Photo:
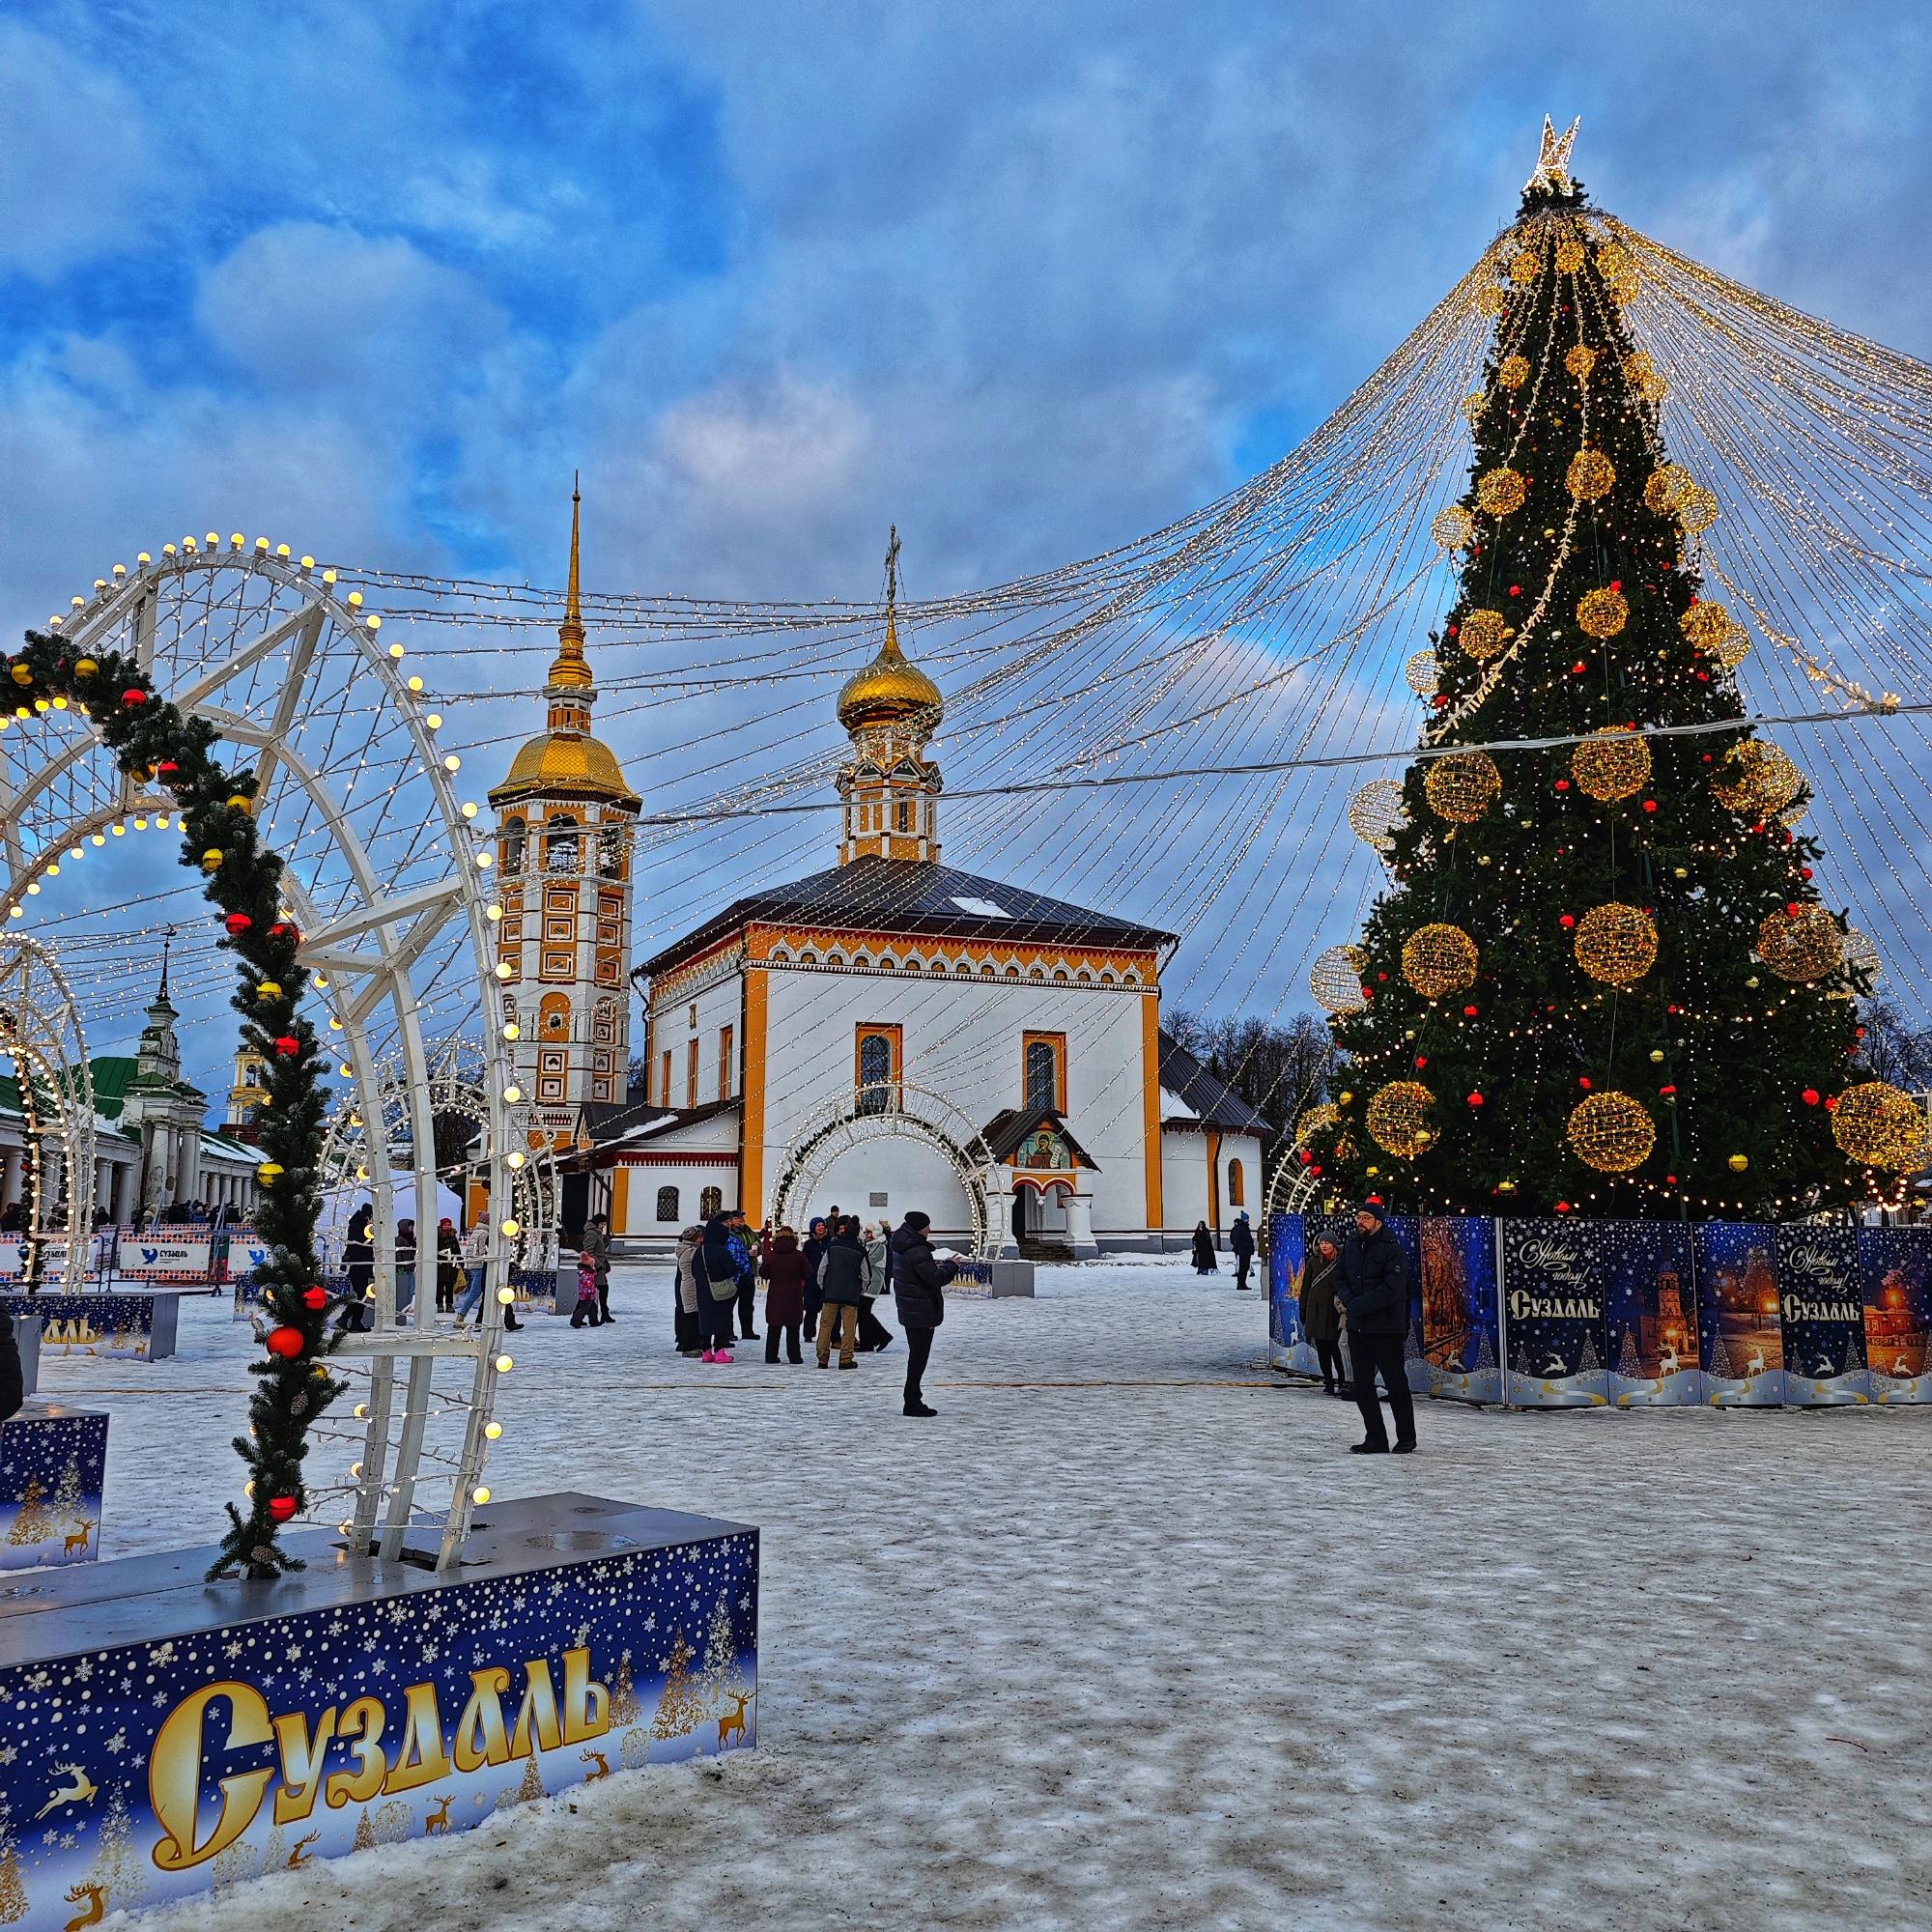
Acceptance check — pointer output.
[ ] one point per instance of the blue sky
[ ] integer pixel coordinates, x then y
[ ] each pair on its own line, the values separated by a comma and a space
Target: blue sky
1026, 279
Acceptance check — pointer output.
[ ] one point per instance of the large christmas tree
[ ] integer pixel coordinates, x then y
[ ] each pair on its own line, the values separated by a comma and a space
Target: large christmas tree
1603, 979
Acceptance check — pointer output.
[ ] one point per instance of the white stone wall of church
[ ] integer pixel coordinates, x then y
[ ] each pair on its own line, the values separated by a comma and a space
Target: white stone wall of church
718, 1006
1184, 1193
964, 1040
641, 1209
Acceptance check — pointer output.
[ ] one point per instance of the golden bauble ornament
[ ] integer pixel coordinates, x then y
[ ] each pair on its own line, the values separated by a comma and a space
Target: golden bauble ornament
1656, 1056
1859, 956
1473, 405
1498, 492
1375, 813
1314, 1120
1616, 943
1669, 488
1570, 256
1490, 299
1699, 509
1452, 527
1512, 372
1803, 945
1611, 1132
1482, 634
1590, 475
1877, 1125
1602, 613
1758, 780
1524, 268
1463, 786
1611, 764
1706, 624
1423, 674
1613, 258
1738, 1162
1397, 1119
1438, 959
1336, 979
1581, 360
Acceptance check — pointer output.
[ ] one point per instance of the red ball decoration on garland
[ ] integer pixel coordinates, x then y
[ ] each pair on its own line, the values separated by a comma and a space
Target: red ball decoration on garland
1468, 1012
281, 1508
1562, 784
166, 768
1421, 1059
1577, 669
238, 922
1583, 1081
288, 1045
286, 1342
133, 696
1832, 1104
1567, 921
315, 1297
1809, 1097
1563, 1207
1475, 1099
1650, 805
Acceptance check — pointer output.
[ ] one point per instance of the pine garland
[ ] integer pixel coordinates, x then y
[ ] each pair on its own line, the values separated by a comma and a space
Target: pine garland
155, 741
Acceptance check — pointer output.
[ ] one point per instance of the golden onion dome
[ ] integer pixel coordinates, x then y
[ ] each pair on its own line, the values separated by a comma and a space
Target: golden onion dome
568, 765
889, 690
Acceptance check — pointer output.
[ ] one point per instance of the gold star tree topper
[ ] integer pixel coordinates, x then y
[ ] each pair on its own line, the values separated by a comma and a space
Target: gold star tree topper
1553, 165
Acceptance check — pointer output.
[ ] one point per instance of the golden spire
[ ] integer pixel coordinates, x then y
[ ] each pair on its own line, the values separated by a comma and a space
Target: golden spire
891, 689
571, 667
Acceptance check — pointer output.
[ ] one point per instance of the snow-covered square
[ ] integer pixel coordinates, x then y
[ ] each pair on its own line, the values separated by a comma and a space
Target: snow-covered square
1123, 1637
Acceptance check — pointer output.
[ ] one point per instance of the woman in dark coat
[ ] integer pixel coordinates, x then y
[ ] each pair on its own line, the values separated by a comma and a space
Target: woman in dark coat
1321, 1315
1203, 1250
358, 1263
816, 1233
784, 1270
448, 1259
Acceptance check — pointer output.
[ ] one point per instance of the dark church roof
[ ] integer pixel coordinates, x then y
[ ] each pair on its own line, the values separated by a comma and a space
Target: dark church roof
916, 897
1211, 1102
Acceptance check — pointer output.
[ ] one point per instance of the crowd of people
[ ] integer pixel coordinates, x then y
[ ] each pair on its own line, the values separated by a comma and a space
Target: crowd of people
822, 1286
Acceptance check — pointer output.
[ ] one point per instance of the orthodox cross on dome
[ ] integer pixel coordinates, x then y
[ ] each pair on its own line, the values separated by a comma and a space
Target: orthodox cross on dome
892, 573
1553, 164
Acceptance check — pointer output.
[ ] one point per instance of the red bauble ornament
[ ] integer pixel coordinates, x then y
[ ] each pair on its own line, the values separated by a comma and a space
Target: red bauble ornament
288, 1045
315, 1297
1707, 757
286, 1342
1804, 871
1583, 1081
1475, 1099
1381, 976
1563, 1207
1374, 1200
1567, 921
281, 1508
1468, 1012
1516, 589
1650, 805
1809, 1097
1791, 909
1421, 1061
1616, 583
1576, 669
1831, 1103
1666, 1091
238, 922
131, 697
1670, 1181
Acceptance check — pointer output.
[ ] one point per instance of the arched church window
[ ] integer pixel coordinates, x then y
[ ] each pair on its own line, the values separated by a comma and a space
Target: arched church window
905, 814
561, 846
666, 1203
514, 841
710, 1203
610, 851
1238, 1185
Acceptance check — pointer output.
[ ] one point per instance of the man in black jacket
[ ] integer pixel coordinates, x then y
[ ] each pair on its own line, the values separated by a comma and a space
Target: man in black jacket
844, 1275
1373, 1293
1241, 1242
918, 1284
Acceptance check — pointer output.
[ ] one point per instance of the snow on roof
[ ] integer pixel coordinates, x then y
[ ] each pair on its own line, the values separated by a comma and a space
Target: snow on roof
986, 908
1174, 1108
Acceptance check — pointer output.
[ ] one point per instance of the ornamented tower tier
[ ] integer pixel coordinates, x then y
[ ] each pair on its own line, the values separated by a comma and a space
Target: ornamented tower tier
565, 817
891, 788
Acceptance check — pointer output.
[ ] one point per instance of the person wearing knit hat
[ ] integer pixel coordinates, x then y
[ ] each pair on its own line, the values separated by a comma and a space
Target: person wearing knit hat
1374, 1294
918, 1284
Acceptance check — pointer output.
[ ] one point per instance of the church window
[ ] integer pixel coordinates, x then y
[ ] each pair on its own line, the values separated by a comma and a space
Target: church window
663, 1078
666, 1203
878, 1068
1045, 1063
726, 1071
600, 1088
1238, 1185
710, 1202
905, 814
600, 1059
611, 852
554, 1016
690, 1074
512, 844
549, 1088
604, 1026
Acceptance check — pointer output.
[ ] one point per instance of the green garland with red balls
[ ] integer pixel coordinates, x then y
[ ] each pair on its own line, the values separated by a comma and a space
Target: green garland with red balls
153, 741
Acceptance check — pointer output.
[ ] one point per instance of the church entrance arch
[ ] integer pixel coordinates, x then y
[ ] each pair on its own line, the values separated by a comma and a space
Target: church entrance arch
915, 1114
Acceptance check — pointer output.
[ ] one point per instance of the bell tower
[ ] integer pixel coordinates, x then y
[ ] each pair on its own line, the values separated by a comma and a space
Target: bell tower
889, 787
565, 817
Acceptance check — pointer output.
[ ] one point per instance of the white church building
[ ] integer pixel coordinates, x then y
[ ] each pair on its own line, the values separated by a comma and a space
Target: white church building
887, 1033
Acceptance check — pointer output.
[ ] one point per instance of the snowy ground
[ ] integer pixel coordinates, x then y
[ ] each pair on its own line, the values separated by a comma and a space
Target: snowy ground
1125, 1638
